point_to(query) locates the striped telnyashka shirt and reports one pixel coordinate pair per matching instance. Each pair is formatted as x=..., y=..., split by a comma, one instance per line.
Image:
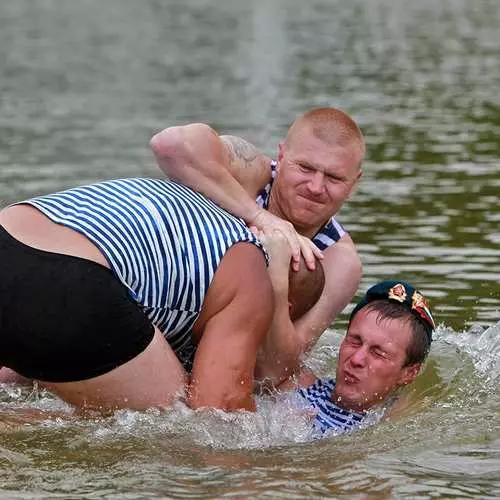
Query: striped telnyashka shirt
x=162, y=240
x=328, y=235
x=329, y=416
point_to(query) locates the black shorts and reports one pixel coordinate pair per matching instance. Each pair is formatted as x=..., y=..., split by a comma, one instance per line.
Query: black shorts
x=64, y=318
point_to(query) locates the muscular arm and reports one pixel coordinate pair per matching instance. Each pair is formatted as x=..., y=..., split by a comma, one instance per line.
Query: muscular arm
x=342, y=267
x=287, y=342
x=227, y=169
x=236, y=314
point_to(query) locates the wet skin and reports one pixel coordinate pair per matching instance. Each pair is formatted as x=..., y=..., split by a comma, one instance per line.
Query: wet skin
x=371, y=361
x=314, y=179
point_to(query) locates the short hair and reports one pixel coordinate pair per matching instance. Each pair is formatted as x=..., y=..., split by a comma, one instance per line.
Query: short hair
x=330, y=125
x=420, y=344
x=305, y=288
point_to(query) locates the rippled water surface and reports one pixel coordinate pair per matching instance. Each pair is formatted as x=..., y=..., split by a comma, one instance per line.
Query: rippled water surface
x=84, y=84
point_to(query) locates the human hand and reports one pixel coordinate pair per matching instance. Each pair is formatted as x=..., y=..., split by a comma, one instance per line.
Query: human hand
x=267, y=222
x=280, y=254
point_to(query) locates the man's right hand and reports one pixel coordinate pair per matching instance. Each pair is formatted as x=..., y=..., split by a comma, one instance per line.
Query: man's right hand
x=268, y=223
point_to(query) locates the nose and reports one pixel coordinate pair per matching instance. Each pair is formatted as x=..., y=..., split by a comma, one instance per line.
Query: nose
x=358, y=358
x=316, y=182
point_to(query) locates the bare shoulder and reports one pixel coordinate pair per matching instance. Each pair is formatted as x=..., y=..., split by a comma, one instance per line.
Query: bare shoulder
x=240, y=151
x=241, y=272
x=343, y=254
x=251, y=167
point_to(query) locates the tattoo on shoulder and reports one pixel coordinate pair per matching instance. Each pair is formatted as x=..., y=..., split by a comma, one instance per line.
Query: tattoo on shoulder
x=240, y=150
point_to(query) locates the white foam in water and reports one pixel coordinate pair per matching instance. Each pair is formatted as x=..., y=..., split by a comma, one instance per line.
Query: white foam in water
x=483, y=347
x=277, y=422
x=488, y=346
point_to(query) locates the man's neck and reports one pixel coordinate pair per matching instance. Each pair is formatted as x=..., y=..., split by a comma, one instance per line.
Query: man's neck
x=274, y=208
x=337, y=400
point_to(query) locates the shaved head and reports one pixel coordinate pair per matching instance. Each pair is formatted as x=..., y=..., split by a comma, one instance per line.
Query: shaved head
x=331, y=126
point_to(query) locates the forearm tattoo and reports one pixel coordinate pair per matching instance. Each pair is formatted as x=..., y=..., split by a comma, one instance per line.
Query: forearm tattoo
x=240, y=150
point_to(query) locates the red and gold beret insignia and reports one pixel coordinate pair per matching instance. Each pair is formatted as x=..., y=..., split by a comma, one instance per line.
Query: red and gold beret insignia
x=398, y=292
x=420, y=306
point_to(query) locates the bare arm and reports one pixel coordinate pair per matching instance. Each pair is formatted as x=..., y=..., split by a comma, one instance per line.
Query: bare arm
x=280, y=353
x=343, y=269
x=217, y=168
x=236, y=313
x=287, y=342
x=228, y=170
x=249, y=166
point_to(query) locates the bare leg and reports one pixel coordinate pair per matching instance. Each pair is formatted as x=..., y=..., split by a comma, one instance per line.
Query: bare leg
x=9, y=376
x=154, y=378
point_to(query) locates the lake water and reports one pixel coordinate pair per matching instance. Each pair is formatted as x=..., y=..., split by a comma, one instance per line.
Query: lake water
x=83, y=86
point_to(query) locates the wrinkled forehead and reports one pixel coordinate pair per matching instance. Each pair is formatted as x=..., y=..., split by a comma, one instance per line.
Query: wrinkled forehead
x=305, y=146
x=374, y=326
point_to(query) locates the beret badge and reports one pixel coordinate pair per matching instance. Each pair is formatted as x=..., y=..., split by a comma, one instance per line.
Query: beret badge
x=397, y=292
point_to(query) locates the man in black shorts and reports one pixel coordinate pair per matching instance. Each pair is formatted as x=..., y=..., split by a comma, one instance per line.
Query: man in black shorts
x=102, y=285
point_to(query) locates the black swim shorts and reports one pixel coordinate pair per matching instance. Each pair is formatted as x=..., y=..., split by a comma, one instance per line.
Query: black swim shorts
x=64, y=318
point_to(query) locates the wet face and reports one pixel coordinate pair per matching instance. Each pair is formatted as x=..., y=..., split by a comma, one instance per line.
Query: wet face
x=314, y=179
x=371, y=361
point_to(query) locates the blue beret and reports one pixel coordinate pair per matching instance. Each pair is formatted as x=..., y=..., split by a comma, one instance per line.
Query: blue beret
x=405, y=294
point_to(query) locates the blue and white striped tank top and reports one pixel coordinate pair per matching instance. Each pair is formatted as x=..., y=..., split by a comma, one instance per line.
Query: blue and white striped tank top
x=162, y=240
x=329, y=416
x=328, y=235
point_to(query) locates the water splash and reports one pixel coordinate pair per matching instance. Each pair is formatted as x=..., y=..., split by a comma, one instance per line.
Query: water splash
x=483, y=346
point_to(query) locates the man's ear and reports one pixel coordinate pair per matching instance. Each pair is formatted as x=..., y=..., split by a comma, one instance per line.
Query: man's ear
x=355, y=184
x=281, y=152
x=360, y=174
x=409, y=373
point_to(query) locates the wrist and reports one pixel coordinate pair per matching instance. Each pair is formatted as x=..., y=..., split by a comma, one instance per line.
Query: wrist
x=281, y=295
x=256, y=214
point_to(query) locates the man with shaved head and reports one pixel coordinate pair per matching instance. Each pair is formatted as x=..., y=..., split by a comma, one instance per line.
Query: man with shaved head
x=316, y=171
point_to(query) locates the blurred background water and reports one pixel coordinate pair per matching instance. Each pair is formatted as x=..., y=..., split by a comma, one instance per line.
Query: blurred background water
x=83, y=86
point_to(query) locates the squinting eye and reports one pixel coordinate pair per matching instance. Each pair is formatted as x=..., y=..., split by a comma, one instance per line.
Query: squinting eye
x=332, y=178
x=304, y=168
x=353, y=340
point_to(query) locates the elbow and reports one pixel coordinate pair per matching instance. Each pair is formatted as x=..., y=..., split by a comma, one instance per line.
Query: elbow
x=182, y=148
x=165, y=143
x=178, y=141
x=161, y=141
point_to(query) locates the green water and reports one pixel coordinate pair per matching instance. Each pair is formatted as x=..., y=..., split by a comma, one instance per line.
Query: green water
x=84, y=84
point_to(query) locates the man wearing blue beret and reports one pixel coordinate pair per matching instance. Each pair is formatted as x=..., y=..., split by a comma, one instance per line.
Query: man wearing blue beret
x=387, y=340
